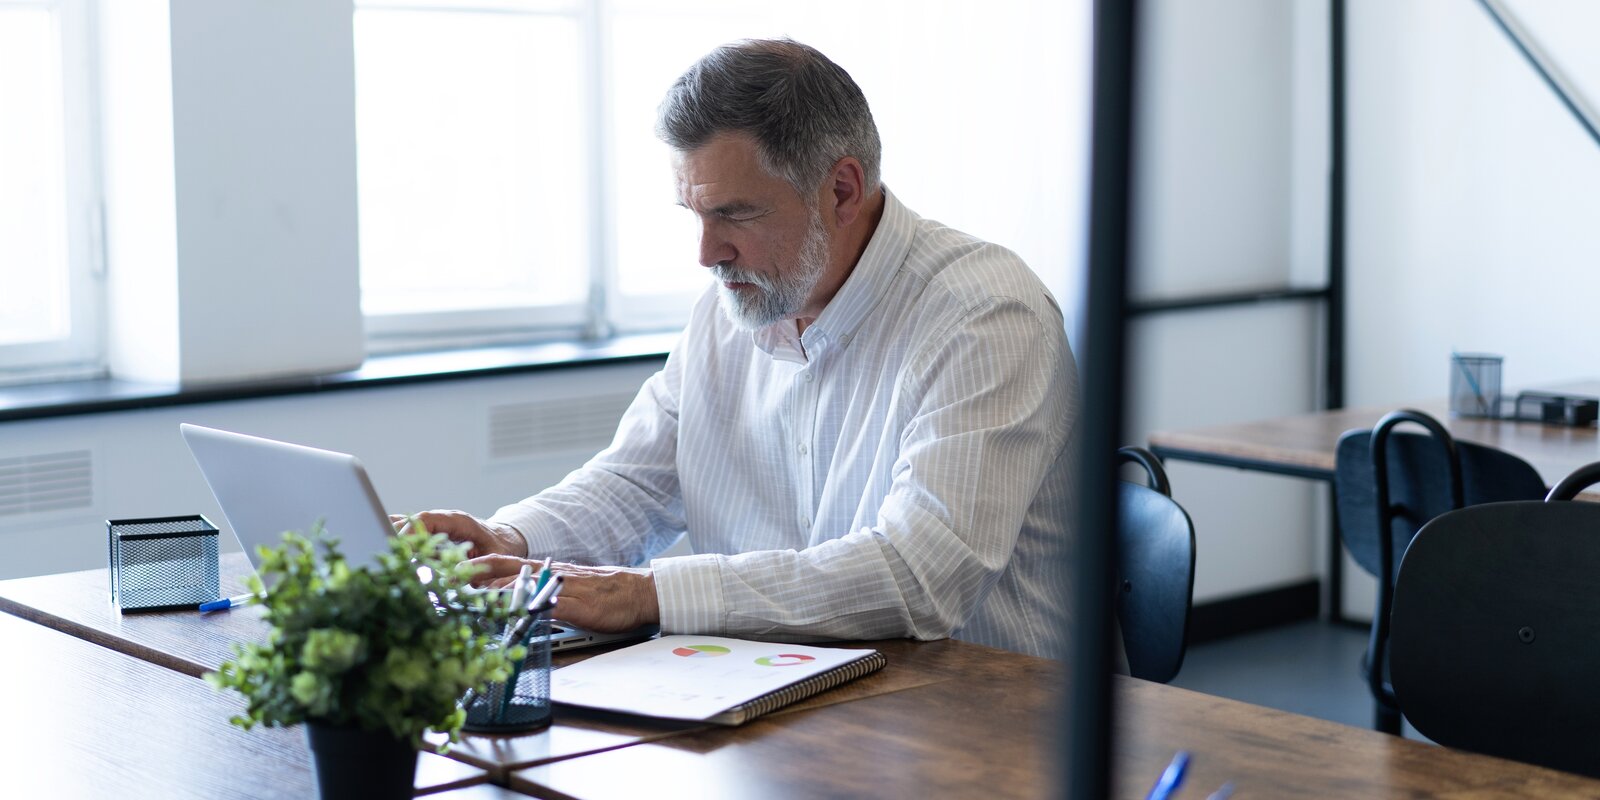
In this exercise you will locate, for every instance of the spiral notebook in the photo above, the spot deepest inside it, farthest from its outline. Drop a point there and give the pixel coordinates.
(708, 678)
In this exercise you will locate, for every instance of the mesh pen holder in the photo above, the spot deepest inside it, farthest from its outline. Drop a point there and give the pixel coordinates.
(162, 562)
(522, 702)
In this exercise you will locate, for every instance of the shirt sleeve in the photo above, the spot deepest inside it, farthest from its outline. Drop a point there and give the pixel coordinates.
(993, 406)
(622, 505)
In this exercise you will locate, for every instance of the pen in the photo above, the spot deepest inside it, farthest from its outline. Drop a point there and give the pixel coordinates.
(227, 603)
(549, 602)
(542, 600)
(520, 629)
(1223, 792)
(544, 574)
(1171, 778)
(519, 591)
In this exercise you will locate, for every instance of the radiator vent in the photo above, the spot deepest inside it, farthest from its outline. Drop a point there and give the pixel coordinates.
(46, 482)
(521, 430)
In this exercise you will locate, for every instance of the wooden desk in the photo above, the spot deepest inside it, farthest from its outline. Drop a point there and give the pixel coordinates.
(84, 721)
(988, 731)
(1304, 446)
(78, 603)
(994, 737)
(945, 719)
(1268, 753)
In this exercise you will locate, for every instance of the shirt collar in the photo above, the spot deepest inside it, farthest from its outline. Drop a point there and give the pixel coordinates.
(845, 313)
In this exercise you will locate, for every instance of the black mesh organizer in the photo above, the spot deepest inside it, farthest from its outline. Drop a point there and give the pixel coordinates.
(522, 702)
(162, 562)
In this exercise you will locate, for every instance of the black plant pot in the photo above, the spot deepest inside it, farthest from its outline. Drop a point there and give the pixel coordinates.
(351, 762)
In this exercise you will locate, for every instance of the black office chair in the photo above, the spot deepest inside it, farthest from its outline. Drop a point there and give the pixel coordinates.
(1155, 560)
(1496, 629)
(1387, 486)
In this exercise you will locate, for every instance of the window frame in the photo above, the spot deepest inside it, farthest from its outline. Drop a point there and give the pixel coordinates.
(81, 354)
(388, 333)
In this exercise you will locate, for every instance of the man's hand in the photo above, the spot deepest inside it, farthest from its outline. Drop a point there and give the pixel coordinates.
(483, 538)
(603, 599)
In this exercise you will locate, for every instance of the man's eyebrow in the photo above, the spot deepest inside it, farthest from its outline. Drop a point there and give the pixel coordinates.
(736, 207)
(729, 209)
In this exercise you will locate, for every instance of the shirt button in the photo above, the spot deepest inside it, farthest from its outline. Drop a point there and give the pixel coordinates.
(810, 377)
(804, 450)
(805, 522)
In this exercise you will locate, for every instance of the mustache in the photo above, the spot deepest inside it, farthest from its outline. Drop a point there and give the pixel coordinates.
(728, 273)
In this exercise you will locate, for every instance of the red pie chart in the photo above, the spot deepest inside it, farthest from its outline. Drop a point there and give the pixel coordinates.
(784, 660)
(701, 651)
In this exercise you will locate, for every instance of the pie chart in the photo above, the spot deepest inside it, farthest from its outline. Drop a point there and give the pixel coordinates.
(784, 660)
(701, 651)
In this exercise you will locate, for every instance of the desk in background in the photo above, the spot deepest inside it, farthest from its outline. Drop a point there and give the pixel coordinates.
(1305, 445)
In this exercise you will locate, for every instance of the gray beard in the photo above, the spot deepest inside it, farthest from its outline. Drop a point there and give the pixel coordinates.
(777, 297)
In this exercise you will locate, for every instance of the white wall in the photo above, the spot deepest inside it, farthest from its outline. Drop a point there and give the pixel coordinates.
(424, 445)
(1226, 129)
(1473, 196)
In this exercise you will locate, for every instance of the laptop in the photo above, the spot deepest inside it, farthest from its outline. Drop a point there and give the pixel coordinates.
(266, 487)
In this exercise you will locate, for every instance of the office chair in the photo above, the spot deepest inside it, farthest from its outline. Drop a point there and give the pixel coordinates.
(1155, 571)
(1496, 630)
(1387, 486)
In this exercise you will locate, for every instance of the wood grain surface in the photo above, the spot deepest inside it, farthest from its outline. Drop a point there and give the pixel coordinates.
(79, 604)
(84, 721)
(945, 719)
(987, 730)
(1308, 440)
(1269, 753)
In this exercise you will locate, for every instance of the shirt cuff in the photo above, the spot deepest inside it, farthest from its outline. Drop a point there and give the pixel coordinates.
(689, 594)
(536, 541)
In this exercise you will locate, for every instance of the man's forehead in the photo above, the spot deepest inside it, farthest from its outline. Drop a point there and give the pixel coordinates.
(725, 168)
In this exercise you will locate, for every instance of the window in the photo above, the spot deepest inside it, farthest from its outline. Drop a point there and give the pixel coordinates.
(510, 182)
(47, 286)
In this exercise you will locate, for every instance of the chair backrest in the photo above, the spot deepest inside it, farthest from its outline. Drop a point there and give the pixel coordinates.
(1495, 632)
(1419, 487)
(1155, 585)
(1388, 485)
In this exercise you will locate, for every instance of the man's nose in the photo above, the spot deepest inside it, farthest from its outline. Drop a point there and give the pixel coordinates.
(714, 249)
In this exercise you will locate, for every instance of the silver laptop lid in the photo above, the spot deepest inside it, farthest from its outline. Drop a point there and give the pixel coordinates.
(266, 487)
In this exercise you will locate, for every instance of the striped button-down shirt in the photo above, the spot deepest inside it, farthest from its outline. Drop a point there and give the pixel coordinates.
(901, 469)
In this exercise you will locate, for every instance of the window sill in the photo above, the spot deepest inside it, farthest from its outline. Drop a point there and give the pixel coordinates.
(70, 398)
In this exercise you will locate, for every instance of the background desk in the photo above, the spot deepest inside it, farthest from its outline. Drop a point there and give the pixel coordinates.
(1304, 446)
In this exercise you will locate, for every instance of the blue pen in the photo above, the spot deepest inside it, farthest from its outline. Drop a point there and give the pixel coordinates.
(227, 603)
(1171, 778)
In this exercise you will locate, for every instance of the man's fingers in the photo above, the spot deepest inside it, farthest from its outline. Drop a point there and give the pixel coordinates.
(495, 567)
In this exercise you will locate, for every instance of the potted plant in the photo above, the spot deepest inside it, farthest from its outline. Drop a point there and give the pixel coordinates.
(370, 658)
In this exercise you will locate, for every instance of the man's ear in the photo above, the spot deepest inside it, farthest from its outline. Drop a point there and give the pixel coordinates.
(846, 190)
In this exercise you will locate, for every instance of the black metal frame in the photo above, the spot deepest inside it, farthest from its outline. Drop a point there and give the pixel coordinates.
(1386, 714)
(1087, 767)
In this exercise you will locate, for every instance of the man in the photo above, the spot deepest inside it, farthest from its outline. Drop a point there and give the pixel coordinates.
(865, 429)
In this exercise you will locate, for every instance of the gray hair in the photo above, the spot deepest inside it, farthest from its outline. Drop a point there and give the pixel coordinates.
(804, 111)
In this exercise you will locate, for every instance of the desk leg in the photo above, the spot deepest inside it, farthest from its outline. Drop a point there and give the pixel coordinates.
(1333, 605)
